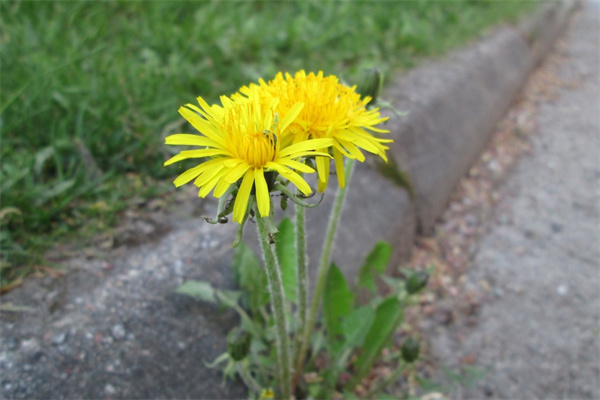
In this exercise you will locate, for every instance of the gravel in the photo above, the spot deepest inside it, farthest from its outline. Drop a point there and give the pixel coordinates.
(537, 273)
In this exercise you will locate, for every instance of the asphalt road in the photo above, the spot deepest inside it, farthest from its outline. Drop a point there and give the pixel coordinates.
(540, 334)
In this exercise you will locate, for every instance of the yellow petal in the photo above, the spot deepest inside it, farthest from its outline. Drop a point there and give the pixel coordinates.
(208, 186)
(236, 173)
(323, 171)
(202, 125)
(308, 145)
(185, 139)
(241, 200)
(208, 175)
(194, 154)
(298, 166)
(262, 193)
(221, 188)
(339, 168)
(187, 176)
(292, 177)
(290, 116)
(349, 150)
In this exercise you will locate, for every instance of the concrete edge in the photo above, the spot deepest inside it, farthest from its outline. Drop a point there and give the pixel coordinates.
(454, 105)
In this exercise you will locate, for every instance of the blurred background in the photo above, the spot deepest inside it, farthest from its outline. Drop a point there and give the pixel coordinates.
(89, 90)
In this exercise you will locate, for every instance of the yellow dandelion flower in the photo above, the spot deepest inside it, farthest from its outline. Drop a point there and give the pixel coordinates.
(331, 110)
(267, 394)
(241, 141)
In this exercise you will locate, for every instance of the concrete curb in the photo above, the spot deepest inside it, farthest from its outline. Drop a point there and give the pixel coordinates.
(453, 106)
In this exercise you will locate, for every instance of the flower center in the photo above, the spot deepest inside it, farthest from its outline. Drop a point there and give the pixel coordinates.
(258, 148)
(250, 135)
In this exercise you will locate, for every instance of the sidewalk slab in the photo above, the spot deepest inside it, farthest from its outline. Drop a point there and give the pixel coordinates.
(536, 332)
(453, 105)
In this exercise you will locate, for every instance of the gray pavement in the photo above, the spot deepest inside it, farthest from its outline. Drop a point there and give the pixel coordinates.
(540, 334)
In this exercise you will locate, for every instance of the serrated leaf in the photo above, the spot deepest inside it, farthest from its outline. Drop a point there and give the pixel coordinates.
(375, 263)
(388, 317)
(285, 247)
(198, 289)
(338, 300)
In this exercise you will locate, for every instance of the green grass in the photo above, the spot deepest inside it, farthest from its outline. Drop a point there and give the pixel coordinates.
(90, 89)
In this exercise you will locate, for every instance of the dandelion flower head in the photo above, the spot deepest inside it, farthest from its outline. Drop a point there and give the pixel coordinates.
(331, 110)
(240, 144)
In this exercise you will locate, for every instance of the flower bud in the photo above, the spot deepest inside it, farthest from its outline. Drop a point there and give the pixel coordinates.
(370, 85)
(410, 350)
(416, 282)
(238, 344)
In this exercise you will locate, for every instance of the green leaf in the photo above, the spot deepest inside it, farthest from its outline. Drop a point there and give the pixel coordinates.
(198, 289)
(338, 300)
(285, 247)
(229, 298)
(388, 317)
(251, 277)
(375, 263)
(356, 325)
(395, 284)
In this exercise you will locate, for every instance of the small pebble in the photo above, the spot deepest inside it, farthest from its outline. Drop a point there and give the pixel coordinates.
(118, 331)
(562, 290)
(487, 390)
(30, 346)
(109, 389)
(12, 344)
(556, 227)
(63, 348)
(59, 338)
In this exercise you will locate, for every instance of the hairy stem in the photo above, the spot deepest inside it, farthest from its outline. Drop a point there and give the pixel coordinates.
(336, 211)
(302, 277)
(277, 305)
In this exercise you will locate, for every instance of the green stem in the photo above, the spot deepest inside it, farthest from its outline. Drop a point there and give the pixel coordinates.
(323, 269)
(302, 277)
(277, 305)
